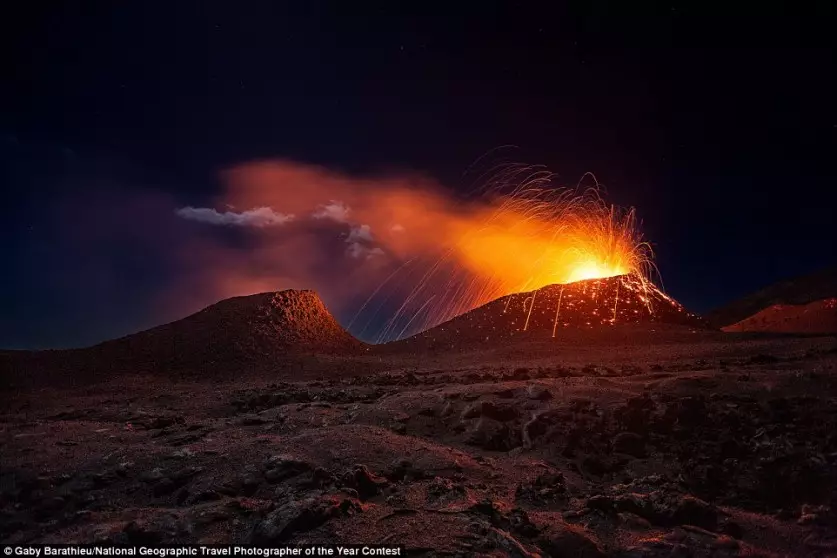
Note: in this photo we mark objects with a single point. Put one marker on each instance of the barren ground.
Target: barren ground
(634, 441)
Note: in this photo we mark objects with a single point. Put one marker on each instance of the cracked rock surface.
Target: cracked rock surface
(675, 443)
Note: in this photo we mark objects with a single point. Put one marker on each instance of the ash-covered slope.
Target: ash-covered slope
(236, 334)
(261, 325)
(819, 316)
(798, 291)
(546, 311)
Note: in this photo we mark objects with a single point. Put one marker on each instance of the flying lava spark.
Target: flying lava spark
(427, 255)
(525, 233)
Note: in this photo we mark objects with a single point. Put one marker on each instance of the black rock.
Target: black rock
(444, 488)
(472, 411)
(637, 413)
(281, 467)
(297, 516)
(205, 496)
(249, 484)
(694, 511)
(629, 443)
(502, 413)
(538, 393)
(731, 528)
(601, 503)
(763, 359)
(596, 465)
(181, 496)
(164, 486)
(545, 488)
(153, 475)
(565, 540)
(252, 420)
(274, 475)
(143, 534)
(365, 482)
(405, 470)
(494, 435)
(166, 528)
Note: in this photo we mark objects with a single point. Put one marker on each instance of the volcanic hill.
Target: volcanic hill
(255, 331)
(815, 317)
(265, 324)
(785, 297)
(543, 313)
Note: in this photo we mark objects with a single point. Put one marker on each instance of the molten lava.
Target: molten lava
(592, 269)
(522, 251)
(525, 234)
(544, 313)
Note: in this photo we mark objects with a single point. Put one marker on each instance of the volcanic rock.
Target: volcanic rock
(295, 516)
(365, 482)
(494, 435)
(796, 292)
(567, 540)
(629, 443)
(819, 316)
(538, 393)
(544, 489)
(694, 511)
(253, 330)
(165, 528)
(537, 314)
(444, 489)
(246, 327)
(281, 467)
(404, 469)
(502, 413)
(732, 468)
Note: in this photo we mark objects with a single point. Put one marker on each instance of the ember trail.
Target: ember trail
(524, 233)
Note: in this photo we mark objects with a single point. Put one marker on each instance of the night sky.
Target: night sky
(718, 127)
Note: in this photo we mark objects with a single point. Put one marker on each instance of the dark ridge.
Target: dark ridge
(797, 291)
(818, 317)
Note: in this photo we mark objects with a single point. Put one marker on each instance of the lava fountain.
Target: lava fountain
(522, 233)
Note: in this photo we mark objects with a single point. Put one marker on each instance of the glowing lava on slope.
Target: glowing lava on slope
(526, 234)
(542, 313)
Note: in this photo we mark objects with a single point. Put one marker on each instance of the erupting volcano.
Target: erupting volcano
(523, 235)
(545, 312)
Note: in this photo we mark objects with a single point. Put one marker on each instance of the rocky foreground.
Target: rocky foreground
(690, 451)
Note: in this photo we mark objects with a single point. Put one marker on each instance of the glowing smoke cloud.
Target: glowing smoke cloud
(529, 234)
(520, 232)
